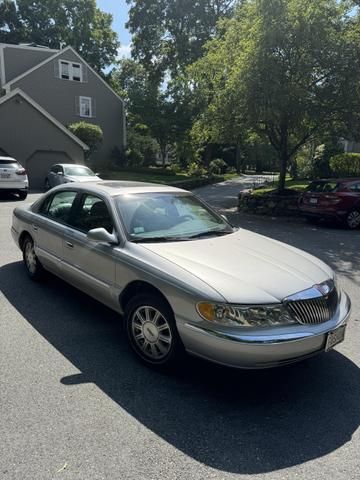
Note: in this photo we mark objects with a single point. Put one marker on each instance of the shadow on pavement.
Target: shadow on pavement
(235, 421)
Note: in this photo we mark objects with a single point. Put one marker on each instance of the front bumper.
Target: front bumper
(261, 349)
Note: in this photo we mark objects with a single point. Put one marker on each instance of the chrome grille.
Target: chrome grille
(314, 310)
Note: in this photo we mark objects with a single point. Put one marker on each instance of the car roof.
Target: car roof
(337, 180)
(119, 187)
(68, 165)
(8, 158)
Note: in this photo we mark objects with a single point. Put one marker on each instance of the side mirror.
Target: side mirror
(60, 173)
(102, 235)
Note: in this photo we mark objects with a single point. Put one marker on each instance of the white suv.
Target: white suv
(13, 177)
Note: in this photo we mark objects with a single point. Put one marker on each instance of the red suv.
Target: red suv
(337, 199)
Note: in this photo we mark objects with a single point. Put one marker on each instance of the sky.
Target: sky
(119, 9)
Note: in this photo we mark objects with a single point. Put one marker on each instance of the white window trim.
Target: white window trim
(71, 73)
(90, 104)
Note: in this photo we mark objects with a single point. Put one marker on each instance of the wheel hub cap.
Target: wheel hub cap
(354, 219)
(151, 332)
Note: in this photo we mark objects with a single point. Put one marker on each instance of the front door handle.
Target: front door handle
(69, 244)
(35, 228)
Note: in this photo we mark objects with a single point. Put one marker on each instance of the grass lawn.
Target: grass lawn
(154, 177)
(298, 185)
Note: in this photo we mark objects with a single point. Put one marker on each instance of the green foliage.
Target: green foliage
(196, 170)
(345, 165)
(218, 166)
(282, 70)
(89, 133)
(78, 23)
(141, 147)
(168, 34)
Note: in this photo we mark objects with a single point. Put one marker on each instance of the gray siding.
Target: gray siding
(24, 130)
(19, 60)
(58, 97)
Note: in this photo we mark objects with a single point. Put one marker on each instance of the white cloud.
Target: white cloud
(124, 51)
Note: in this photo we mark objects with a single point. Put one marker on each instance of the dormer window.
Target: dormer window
(70, 71)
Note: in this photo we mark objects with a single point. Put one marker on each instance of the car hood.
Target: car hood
(74, 178)
(245, 267)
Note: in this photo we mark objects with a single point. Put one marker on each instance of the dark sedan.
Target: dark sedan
(334, 199)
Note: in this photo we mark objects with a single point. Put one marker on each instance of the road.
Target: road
(75, 404)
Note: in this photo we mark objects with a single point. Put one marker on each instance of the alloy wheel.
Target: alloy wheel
(353, 219)
(151, 332)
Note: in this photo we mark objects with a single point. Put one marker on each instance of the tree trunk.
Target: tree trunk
(283, 157)
(208, 154)
(238, 158)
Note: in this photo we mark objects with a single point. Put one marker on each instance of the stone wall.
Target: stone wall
(270, 204)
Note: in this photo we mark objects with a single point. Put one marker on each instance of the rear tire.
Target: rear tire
(23, 195)
(32, 265)
(152, 332)
(352, 219)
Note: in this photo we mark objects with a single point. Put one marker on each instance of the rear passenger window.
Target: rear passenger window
(355, 188)
(60, 205)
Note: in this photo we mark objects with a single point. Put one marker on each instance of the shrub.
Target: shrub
(345, 165)
(196, 170)
(218, 166)
(89, 133)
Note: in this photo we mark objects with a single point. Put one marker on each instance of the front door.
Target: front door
(90, 265)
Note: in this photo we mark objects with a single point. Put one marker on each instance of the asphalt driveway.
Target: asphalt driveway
(75, 404)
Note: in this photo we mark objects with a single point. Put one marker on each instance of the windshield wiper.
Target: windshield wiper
(158, 239)
(209, 233)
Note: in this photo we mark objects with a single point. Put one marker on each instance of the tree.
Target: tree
(10, 26)
(78, 23)
(146, 103)
(90, 134)
(285, 70)
(170, 34)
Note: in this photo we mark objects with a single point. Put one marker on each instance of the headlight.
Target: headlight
(244, 315)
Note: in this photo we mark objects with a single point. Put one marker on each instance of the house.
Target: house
(42, 92)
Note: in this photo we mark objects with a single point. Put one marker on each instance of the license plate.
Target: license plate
(313, 200)
(5, 175)
(335, 337)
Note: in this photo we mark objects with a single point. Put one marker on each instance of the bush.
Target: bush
(218, 166)
(88, 133)
(196, 170)
(345, 165)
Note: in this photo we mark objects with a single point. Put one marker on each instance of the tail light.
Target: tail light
(21, 171)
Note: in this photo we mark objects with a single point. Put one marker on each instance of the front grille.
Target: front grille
(314, 310)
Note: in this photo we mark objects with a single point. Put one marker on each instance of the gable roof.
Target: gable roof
(46, 114)
(49, 59)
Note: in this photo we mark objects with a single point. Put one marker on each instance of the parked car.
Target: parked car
(68, 173)
(334, 199)
(182, 276)
(13, 177)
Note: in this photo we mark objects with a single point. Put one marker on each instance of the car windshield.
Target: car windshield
(79, 171)
(164, 217)
(320, 187)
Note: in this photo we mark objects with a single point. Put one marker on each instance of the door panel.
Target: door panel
(89, 265)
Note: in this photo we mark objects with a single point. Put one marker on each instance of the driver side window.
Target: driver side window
(92, 213)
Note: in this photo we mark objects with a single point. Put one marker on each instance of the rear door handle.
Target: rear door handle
(69, 244)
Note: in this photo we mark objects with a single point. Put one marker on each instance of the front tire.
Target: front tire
(352, 219)
(152, 332)
(32, 265)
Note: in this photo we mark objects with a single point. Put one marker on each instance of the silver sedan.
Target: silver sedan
(182, 277)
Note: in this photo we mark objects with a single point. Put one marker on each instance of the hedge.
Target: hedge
(345, 165)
